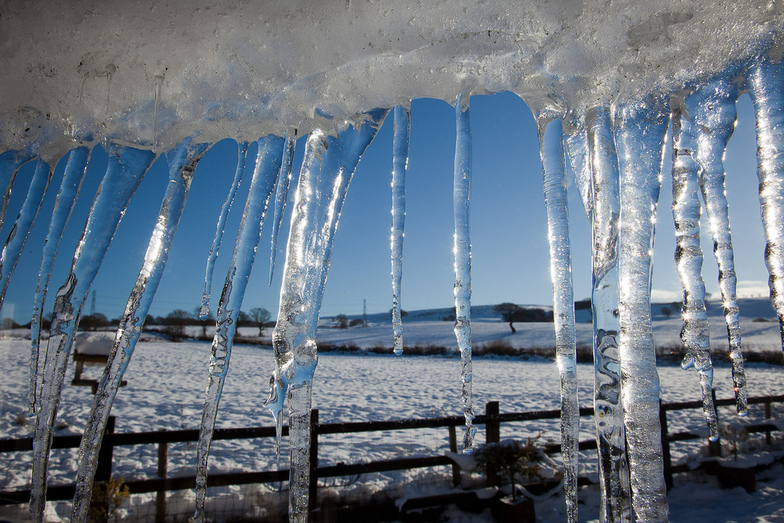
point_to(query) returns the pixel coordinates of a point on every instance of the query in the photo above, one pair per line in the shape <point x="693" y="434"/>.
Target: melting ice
<point x="603" y="82"/>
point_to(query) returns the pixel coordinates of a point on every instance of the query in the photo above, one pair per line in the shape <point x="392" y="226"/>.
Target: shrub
<point x="512" y="459"/>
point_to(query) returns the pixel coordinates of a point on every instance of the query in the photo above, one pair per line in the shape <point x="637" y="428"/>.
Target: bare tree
<point x="260" y="316"/>
<point x="510" y="312"/>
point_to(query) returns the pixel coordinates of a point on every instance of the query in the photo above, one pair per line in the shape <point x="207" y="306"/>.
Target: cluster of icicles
<point x="616" y="154"/>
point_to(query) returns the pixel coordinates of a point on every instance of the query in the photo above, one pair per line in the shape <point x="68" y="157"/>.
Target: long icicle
<point x="10" y="162"/>
<point x="640" y="132"/>
<point x="695" y="332"/>
<point x="554" y="177"/>
<point x="281" y="195"/>
<point x="75" y="169"/>
<point x="400" y="141"/>
<point x="182" y="163"/>
<point x="605" y="196"/>
<point x="766" y="86"/>
<point x="242" y="151"/>
<point x="268" y="161"/>
<point x="714" y="114"/>
<point x="327" y="170"/>
<point x="24" y="222"/>
<point x="125" y="170"/>
<point x="461" y="200"/>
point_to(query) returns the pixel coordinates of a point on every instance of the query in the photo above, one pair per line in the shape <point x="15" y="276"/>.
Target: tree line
<point x="173" y="323"/>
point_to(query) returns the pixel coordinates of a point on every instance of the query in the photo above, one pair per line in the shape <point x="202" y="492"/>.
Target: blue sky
<point x="508" y="228"/>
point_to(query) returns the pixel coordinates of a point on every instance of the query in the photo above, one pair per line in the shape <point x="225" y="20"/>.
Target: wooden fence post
<point x="453" y="448"/>
<point x="104" y="470"/>
<point x="665" y="442"/>
<point x="767" y="416"/>
<point x="163" y="469"/>
<point x="493" y="434"/>
<point x="313" y="486"/>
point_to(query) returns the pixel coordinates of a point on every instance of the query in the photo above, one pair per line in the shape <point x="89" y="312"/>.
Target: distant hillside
<point x="750" y="309"/>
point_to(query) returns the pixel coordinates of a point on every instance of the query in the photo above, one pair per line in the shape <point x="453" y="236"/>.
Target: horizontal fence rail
<point x="492" y="420"/>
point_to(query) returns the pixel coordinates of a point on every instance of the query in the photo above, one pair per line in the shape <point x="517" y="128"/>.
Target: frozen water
<point x="552" y="153"/>
<point x="399" y="165"/>
<point x="135" y="78"/>
<point x="242" y="152"/>
<point x="461" y="197"/>
<point x="268" y="161"/>
<point x="75" y="169"/>
<point x="182" y="163"/>
<point x="695" y="333"/>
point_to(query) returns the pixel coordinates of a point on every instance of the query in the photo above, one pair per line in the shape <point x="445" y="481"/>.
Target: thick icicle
<point x="695" y="333"/>
<point x="268" y="161"/>
<point x="766" y="86"/>
<point x="714" y="113"/>
<point x="399" y="165"/>
<point x="242" y="151"/>
<point x="281" y="195"/>
<point x="640" y="133"/>
<point x="125" y="170"/>
<point x="461" y="199"/>
<point x="182" y="163"/>
<point x="24" y="222"/>
<point x="556" y="203"/>
<point x="329" y="164"/>
<point x="75" y="169"/>
<point x="605" y="197"/>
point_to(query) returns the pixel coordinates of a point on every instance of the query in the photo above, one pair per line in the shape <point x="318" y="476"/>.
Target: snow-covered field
<point x="166" y="383"/>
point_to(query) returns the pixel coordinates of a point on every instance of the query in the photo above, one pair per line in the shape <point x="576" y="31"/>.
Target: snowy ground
<point x="167" y="380"/>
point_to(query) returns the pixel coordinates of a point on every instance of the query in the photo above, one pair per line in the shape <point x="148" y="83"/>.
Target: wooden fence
<point x="492" y="419"/>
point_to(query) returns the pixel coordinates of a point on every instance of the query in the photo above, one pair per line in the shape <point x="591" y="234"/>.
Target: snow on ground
<point x="166" y="383"/>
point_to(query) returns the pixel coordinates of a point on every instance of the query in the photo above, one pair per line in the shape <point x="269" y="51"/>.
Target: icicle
<point x="24" y="222"/>
<point x="640" y="134"/>
<point x="695" y="333"/>
<point x="576" y="141"/>
<point x="326" y="173"/>
<point x="268" y="162"/>
<point x="242" y="151"/>
<point x="714" y="114"/>
<point x="75" y="169"/>
<point x="605" y="227"/>
<point x="461" y="198"/>
<point x="124" y="172"/>
<point x="766" y="86"/>
<point x="399" y="165"/>
<point x="182" y="163"/>
<point x="281" y="195"/>
<point x="10" y="162"/>
<point x="552" y="154"/>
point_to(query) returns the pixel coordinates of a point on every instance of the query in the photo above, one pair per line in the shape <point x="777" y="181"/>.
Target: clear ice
<point x="400" y="140"/>
<point x="281" y="195"/>
<point x="327" y="170"/>
<point x="606" y="71"/>
<point x="695" y="333"/>
<point x="766" y="86"/>
<point x="75" y="169"/>
<point x="556" y="203"/>
<point x="125" y="170"/>
<point x="461" y="198"/>
<point x="182" y="163"/>
<point x="242" y="152"/>
<point x="268" y="159"/>
<point x="640" y="131"/>
<point x="595" y="162"/>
